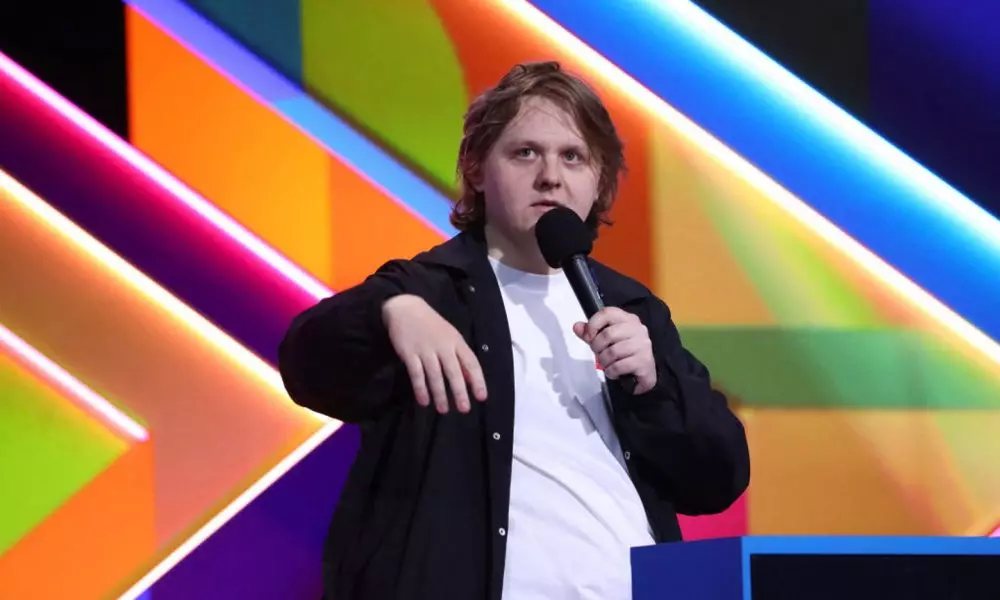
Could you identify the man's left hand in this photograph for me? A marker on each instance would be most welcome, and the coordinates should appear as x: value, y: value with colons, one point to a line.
x: 622, y: 346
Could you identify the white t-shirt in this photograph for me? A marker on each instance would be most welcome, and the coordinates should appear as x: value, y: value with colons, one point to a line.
x: 574, y: 512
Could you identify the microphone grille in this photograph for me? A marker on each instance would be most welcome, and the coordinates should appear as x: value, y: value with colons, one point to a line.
x: 561, y: 234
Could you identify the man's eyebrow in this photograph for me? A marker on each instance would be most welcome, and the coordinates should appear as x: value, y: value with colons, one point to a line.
x: 522, y: 142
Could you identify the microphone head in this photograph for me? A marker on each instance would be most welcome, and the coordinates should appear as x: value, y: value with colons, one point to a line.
x: 561, y: 234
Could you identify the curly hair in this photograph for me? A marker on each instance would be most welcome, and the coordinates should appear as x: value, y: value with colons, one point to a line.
x: 490, y: 113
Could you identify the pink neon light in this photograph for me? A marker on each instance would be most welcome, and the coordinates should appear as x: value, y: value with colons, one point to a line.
x: 996, y: 532
x: 72, y: 386
x: 178, y: 189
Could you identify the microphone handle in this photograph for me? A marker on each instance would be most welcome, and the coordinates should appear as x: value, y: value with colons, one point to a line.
x: 580, y: 279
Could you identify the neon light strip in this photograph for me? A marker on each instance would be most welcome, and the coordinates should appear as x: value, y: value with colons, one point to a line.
x: 72, y: 386
x: 234, y: 508
x: 131, y: 276
x: 202, y: 327
x: 261, y: 82
x: 533, y: 18
x: 862, y: 139
x: 939, y: 238
x: 147, y: 167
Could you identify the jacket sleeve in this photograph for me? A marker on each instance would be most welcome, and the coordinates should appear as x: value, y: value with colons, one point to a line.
x: 336, y: 357
x: 683, y: 432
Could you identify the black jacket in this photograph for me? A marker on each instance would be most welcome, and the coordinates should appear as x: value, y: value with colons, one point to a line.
x: 423, y: 514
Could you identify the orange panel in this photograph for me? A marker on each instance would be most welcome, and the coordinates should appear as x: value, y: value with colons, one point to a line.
x: 369, y: 228
x: 856, y: 472
x: 98, y: 539
x: 246, y: 158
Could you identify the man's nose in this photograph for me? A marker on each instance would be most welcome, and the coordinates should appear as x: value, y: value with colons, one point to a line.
x: 548, y: 175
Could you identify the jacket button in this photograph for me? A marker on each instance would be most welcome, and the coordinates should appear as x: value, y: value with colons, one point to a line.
x: 486, y: 347
x: 628, y: 455
x: 496, y: 436
x: 472, y: 289
x: 502, y: 531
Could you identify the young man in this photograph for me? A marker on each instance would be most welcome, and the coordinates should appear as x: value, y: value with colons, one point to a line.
x: 495, y: 462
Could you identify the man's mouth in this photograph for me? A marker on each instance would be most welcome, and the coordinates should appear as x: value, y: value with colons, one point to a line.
x: 548, y: 203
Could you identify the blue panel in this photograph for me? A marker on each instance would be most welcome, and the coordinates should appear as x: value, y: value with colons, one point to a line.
x: 901, y: 545
x: 906, y: 215
x: 204, y: 38
x: 707, y: 570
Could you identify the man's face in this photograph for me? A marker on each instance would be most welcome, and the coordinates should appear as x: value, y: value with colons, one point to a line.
x: 540, y: 160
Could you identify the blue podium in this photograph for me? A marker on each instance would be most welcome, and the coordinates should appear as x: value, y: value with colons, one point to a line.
x: 807, y: 568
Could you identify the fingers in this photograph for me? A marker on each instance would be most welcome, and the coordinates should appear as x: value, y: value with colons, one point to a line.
x: 431, y: 375
x: 606, y: 317
x: 611, y: 335
x: 619, y: 352
x: 473, y: 372
x: 435, y: 381
x: 415, y: 369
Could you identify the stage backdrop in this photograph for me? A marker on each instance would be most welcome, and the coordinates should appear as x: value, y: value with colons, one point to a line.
x: 281, y: 151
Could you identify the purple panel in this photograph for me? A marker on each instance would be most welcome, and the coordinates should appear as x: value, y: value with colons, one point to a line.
x: 935, y: 87
x: 274, y: 547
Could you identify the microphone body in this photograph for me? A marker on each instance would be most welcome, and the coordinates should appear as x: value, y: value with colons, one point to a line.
x: 582, y: 282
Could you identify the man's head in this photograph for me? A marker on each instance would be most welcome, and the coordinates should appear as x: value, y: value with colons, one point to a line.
x: 541, y: 135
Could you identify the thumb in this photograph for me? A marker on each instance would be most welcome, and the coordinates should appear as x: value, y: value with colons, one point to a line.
x: 580, y: 329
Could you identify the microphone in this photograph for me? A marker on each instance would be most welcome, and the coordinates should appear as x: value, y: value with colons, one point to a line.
x: 565, y: 242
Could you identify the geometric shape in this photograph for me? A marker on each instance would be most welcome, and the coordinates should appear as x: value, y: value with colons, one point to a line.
x: 382, y: 172
x: 223, y: 424
x: 233, y: 62
x: 844, y: 368
x: 404, y: 48
x: 273, y: 547
x: 269, y: 29
x: 851, y: 175
x: 50, y: 449
x: 194, y: 543
x: 72, y: 388
x: 274, y: 179
x: 92, y: 544
x: 879, y: 472
x: 27, y: 95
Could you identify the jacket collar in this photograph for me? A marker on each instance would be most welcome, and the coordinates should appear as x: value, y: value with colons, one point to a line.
x: 466, y: 253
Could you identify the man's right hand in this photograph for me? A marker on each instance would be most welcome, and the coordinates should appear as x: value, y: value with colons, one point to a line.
x: 433, y: 352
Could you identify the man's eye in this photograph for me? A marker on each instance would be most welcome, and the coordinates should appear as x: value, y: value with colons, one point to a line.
x: 524, y: 152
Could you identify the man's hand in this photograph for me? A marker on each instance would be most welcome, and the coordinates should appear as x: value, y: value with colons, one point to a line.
x: 433, y: 352
x: 622, y: 346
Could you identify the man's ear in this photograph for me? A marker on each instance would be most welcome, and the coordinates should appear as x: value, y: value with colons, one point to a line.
x: 475, y: 179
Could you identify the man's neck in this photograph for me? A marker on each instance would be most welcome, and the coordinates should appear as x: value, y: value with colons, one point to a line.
x: 521, y: 254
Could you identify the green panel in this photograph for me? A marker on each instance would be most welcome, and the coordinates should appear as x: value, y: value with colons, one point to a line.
x: 828, y: 368
x: 389, y: 67
x: 49, y: 449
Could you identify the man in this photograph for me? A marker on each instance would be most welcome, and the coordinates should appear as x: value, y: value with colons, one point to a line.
x: 495, y: 461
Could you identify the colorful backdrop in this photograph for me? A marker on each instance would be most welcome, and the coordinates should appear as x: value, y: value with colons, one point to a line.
x: 280, y: 151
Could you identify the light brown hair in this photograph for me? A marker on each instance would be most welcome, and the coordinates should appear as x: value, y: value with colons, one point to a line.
x: 490, y: 113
